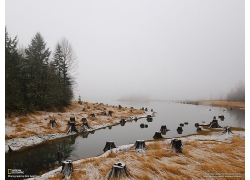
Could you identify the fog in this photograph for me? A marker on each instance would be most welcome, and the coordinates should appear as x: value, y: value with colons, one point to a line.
x: 165, y: 49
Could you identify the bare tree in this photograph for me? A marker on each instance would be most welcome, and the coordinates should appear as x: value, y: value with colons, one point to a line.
x: 69, y: 58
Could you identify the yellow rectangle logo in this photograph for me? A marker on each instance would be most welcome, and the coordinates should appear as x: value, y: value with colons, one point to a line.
x: 9, y: 171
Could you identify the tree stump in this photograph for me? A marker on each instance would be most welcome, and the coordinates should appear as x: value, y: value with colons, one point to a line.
x: 227, y: 130
x: 142, y: 125
x: 110, y: 113
x: 157, y: 135
x: 181, y: 124
x: 109, y: 145
x: 179, y: 128
x: 163, y: 129
x: 92, y: 115
x: 67, y: 168
x: 142, y: 108
x: 149, y: 118
x: 152, y: 110
x: 214, y: 124
x: 72, y: 128
x: 199, y: 129
x: 140, y: 144
x: 177, y: 145
x: 72, y: 119
x: 146, y: 109
x: 110, y: 127
x: 221, y: 117
x: 118, y: 170
x: 186, y: 123
x: 85, y: 125
x: 196, y: 124
x: 53, y: 122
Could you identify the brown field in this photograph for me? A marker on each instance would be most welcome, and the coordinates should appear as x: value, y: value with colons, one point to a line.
x: 201, y: 159
x: 226, y: 104
x: 38, y: 122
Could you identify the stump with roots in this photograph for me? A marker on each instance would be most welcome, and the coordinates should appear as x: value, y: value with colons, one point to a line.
x: 72, y: 128
x: 67, y: 168
x: 109, y: 145
x: 227, y: 130
x: 181, y: 124
x: 140, y: 144
x: 118, y: 170
x: 196, y: 124
x: 85, y: 124
x: 177, y: 145
x: 110, y: 113
x: 52, y: 123
x: 157, y: 135
x: 214, y: 124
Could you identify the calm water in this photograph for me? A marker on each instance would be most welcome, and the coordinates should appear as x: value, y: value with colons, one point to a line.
x: 43, y: 157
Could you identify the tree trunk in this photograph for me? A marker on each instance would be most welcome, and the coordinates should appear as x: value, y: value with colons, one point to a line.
x: 72, y: 128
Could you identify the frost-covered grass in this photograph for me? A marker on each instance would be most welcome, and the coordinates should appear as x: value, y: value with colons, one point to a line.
x: 203, y: 156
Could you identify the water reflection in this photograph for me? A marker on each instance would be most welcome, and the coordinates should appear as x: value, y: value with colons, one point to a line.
x: 42, y: 157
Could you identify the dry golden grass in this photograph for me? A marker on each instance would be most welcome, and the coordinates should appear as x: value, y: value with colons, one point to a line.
x: 39, y: 120
x: 159, y: 161
x: 226, y: 104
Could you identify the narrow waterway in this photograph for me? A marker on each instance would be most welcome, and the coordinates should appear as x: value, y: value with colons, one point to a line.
x: 43, y: 157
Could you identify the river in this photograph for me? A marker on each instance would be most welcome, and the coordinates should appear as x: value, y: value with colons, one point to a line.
x: 43, y: 157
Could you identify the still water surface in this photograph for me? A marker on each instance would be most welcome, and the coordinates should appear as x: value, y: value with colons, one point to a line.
x: 43, y: 157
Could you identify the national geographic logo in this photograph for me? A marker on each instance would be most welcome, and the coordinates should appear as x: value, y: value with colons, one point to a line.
x: 15, y: 171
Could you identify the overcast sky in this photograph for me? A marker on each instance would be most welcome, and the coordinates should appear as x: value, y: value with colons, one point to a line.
x: 163, y: 49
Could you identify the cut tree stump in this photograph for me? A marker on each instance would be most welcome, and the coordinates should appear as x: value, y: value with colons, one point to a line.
x: 53, y: 122
x: 149, y: 118
x: 157, y: 135
x: 181, y: 124
x: 109, y: 145
x: 196, y: 124
x: 140, y: 144
x: 163, y: 129
x: 177, y: 145
x: 214, y: 124
x: 227, y: 130
x: 118, y: 170
x: 67, y: 168
x: 72, y: 128
x: 85, y: 124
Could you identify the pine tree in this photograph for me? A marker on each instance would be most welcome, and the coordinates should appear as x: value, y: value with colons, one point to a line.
x: 37, y: 56
x: 13, y: 95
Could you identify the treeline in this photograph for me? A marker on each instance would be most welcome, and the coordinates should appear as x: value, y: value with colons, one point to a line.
x: 36, y: 78
x: 237, y: 94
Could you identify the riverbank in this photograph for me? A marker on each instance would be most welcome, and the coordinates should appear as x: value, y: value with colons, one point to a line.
x: 209, y: 155
x: 26, y: 131
x: 218, y: 103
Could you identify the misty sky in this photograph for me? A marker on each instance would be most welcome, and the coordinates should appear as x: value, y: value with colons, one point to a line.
x: 164, y: 49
